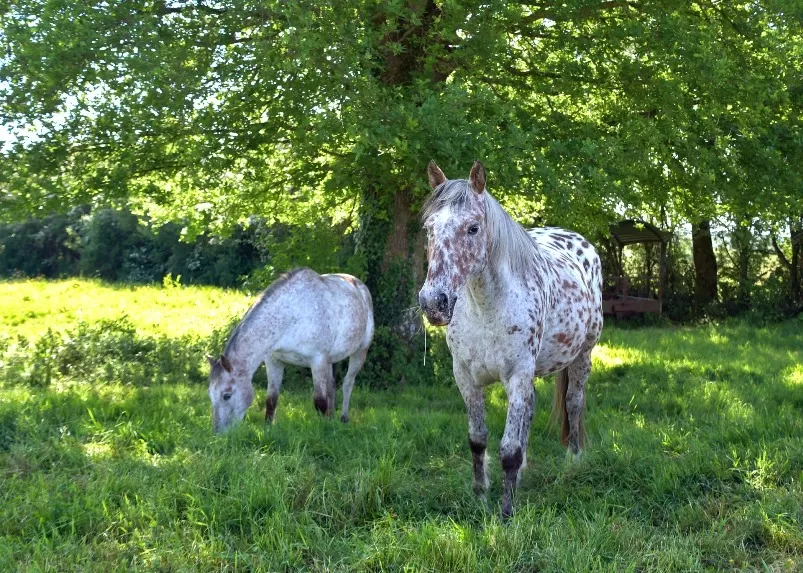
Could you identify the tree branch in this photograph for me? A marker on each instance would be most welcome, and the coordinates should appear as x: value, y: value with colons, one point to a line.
x: 162, y: 8
x: 781, y: 257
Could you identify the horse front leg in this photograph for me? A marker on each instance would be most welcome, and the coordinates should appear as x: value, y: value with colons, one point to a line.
x: 513, y: 448
x: 275, y: 374
x: 477, y: 431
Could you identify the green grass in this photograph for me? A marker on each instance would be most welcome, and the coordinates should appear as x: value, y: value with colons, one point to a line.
x: 695, y: 457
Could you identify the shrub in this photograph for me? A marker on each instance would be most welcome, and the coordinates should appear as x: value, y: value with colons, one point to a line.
x: 111, y: 350
x: 97, y: 353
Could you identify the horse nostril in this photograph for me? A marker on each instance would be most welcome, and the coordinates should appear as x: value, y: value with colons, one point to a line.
x: 443, y: 302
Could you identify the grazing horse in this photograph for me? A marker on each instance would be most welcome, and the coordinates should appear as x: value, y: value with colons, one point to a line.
x: 517, y: 305
x: 304, y: 319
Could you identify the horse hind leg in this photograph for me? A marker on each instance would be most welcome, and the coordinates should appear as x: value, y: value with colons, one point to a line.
x: 356, y: 361
x: 323, y: 386
x: 330, y: 391
x: 275, y: 373
x: 572, y: 431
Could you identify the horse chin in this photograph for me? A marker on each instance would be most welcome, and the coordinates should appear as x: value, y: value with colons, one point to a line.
x: 437, y: 319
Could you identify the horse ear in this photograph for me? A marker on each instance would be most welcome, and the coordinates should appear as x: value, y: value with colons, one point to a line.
x: 436, y: 176
x: 224, y: 362
x: 211, y: 360
x: 477, y: 178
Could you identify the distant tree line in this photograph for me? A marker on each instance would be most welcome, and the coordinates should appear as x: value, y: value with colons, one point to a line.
x: 751, y: 269
x: 116, y: 245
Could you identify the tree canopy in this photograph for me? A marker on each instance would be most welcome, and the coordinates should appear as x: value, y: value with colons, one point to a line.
x: 582, y: 111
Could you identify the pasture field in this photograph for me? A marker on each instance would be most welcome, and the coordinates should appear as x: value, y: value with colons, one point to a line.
x: 31, y: 307
x: 107, y: 461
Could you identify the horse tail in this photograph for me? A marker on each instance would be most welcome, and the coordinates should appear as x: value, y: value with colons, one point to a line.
x: 559, y: 412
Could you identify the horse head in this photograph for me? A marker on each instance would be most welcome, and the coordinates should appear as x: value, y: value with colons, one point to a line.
x: 231, y: 393
x: 457, y: 239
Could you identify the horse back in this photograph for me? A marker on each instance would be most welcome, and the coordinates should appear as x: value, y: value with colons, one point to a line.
x: 575, y: 320
x: 339, y: 308
x: 570, y: 253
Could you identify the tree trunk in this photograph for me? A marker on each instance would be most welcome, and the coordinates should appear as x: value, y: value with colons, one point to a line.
x: 388, y: 243
x: 392, y: 243
x: 742, y: 240
x: 705, y: 263
x: 794, y: 264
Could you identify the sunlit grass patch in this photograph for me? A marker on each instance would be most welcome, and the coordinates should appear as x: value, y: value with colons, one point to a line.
x: 31, y: 307
x: 794, y: 375
x: 610, y: 356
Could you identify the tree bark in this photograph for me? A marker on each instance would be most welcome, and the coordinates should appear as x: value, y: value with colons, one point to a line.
x: 705, y: 263
x: 742, y: 239
x: 796, y: 234
x: 794, y: 265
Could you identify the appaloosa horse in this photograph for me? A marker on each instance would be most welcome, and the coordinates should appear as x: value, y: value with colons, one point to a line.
x: 304, y: 319
x: 517, y: 305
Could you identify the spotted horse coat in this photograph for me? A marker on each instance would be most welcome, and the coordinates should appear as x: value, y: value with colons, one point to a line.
x: 304, y: 319
x: 516, y: 304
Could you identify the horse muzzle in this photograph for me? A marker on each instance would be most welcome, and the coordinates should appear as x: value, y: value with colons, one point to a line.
x: 437, y: 305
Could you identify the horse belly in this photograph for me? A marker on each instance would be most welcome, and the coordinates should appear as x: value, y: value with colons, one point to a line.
x: 565, y: 337
x: 302, y: 345
x: 294, y: 357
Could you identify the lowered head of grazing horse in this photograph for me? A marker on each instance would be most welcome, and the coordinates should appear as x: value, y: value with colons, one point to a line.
x: 231, y: 392
x: 517, y: 304
x: 304, y: 319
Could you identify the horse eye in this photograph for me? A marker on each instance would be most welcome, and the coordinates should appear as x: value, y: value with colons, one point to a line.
x: 473, y: 229
x: 226, y: 395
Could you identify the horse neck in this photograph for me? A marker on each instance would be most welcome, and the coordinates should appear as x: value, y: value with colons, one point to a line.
x: 490, y: 287
x: 255, y: 339
x: 497, y: 283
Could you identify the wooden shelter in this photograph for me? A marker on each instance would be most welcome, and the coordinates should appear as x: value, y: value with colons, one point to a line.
x: 622, y: 296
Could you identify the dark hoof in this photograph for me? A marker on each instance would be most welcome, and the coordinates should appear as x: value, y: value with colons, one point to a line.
x: 321, y: 405
x: 344, y: 418
x: 507, y: 515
